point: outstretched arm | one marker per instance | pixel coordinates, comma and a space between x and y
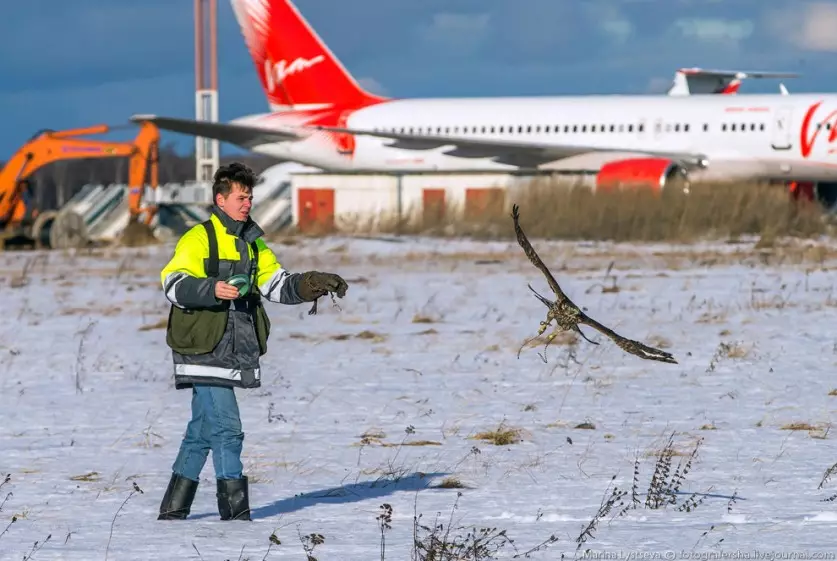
279, 285
276, 283
183, 278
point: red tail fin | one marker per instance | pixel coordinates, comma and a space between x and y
296, 68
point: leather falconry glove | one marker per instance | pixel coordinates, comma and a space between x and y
314, 284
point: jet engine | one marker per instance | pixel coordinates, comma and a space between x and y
642, 173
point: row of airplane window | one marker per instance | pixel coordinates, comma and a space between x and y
593, 128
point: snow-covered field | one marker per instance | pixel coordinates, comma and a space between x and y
380, 402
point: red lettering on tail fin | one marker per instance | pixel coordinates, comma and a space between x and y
295, 67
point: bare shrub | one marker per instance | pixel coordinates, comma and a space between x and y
664, 489
135, 489
726, 350
437, 543
309, 542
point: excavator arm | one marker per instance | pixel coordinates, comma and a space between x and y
51, 146
144, 161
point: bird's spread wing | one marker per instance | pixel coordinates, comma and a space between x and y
628, 345
533, 255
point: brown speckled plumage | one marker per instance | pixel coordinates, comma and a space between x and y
568, 316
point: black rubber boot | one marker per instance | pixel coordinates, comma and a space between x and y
233, 499
177, 502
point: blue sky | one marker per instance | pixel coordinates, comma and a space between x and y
73, 64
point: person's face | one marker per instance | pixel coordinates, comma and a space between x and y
237, 204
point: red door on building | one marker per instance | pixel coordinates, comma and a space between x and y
484, 202
433, 206
315, 210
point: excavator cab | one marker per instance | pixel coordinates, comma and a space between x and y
22, 224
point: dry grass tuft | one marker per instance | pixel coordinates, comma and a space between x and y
450, 483
371, 436
90, 476
799, 426
708, 317
107, 311
161, 324
412, 443
374, 433
501, 436
734, 350
365, 334
376, 437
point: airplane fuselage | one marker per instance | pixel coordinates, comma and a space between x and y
757, 135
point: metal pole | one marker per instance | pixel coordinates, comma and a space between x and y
206, 91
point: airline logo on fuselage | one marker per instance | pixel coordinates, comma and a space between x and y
276, 72
807, 138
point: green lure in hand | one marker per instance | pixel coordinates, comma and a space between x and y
241, 282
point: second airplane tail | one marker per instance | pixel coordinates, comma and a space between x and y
297, 70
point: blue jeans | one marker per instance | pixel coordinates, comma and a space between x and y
216, 426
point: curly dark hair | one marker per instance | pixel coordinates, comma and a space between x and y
225, 176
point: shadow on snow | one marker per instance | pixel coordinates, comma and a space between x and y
349, 493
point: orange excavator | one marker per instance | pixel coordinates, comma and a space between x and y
20, 223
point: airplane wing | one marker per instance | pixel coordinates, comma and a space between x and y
246, 136
516, 153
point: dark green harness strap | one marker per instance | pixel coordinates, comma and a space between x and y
212, 266
254, 266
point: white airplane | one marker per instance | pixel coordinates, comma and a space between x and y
321, 117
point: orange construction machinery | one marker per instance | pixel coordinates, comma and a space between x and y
22, 224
